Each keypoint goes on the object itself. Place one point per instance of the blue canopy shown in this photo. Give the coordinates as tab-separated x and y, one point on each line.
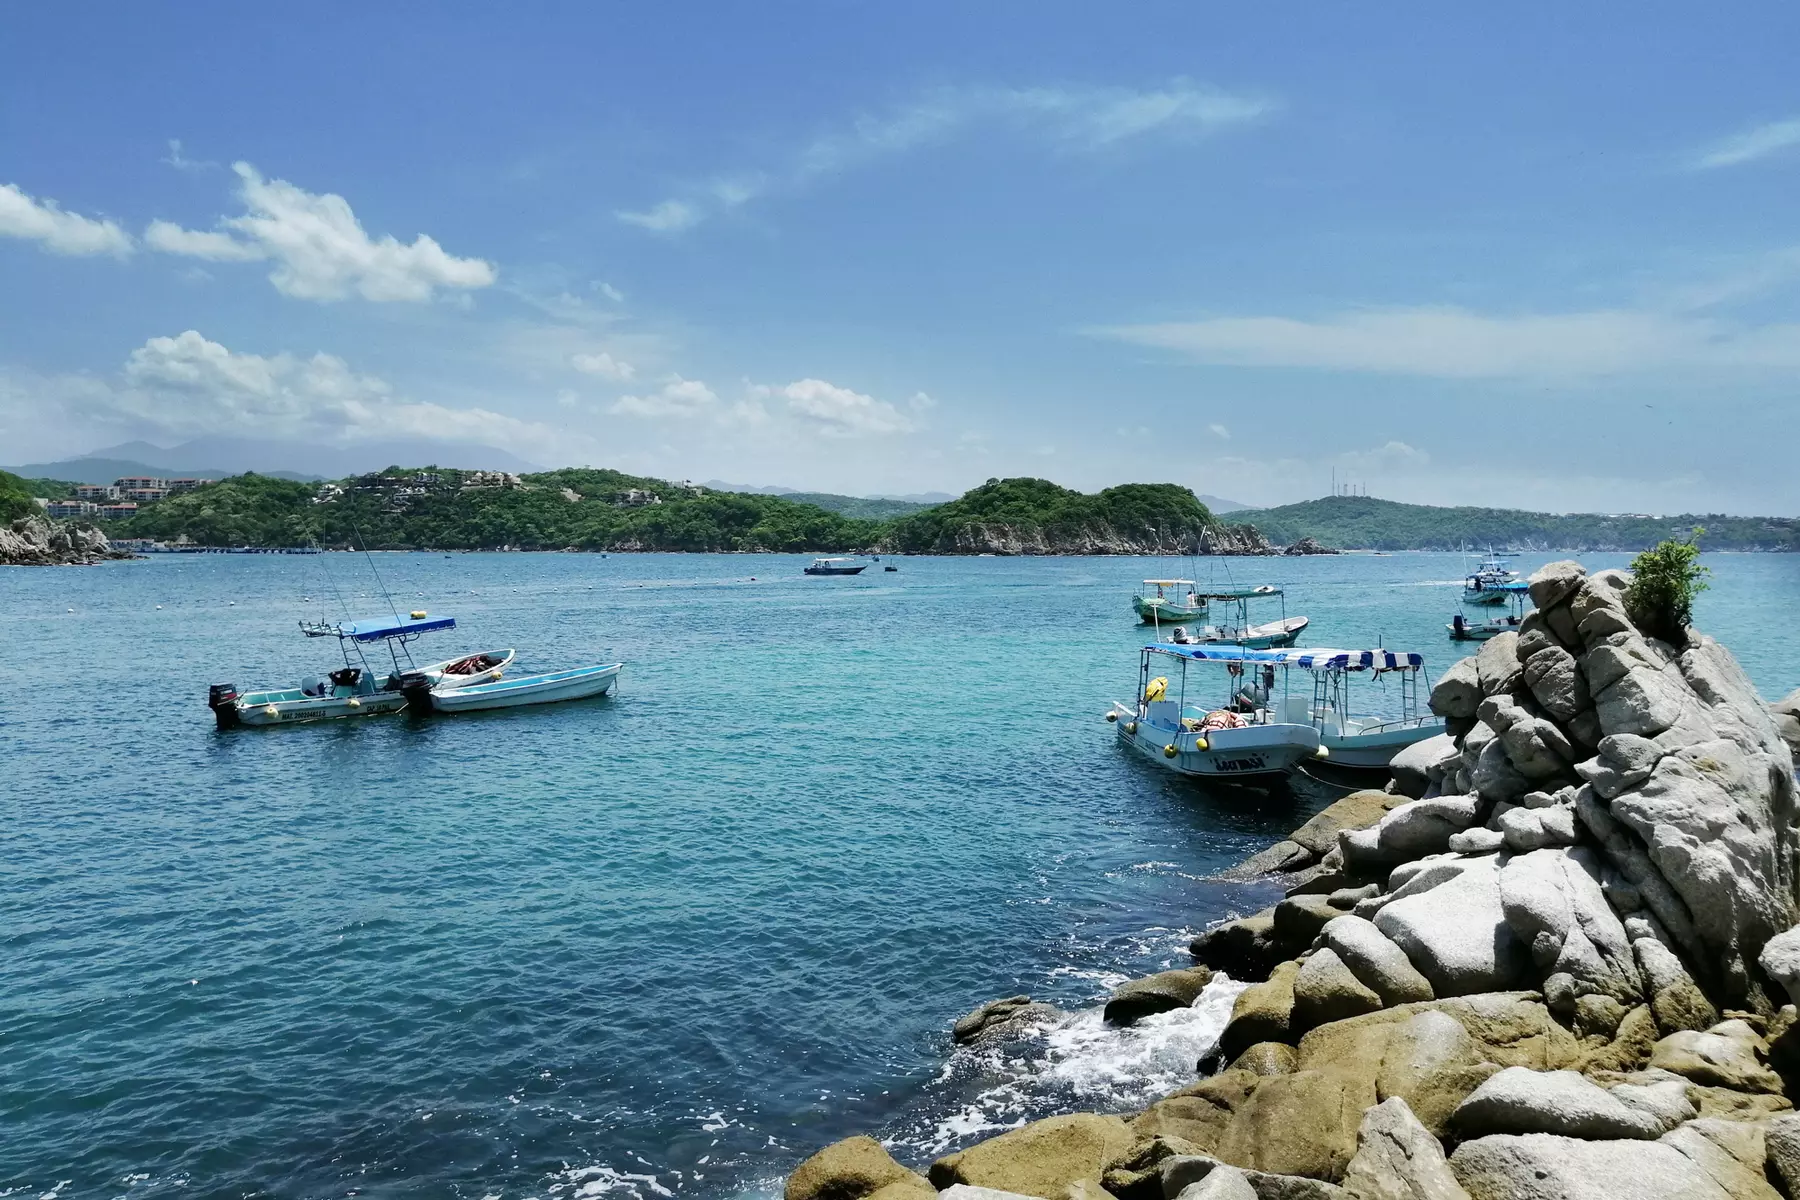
1516	587
1310	660
376	629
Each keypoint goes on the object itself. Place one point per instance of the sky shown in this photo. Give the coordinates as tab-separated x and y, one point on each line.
1539	256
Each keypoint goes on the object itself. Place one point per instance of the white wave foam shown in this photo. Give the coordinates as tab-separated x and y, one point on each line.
594	1181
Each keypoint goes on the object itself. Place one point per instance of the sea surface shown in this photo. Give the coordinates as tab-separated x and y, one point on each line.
663	944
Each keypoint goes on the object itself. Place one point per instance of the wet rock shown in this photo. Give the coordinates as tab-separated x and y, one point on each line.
1039	1159
1518	1100
852	1169
1137	1175
1397	1158
1161	992
1281	858
1376	961
1298	919
1244	949
1358	810
1327	990
999	1018
1263	1012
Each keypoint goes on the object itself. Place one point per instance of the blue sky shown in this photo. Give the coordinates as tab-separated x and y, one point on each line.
1538	256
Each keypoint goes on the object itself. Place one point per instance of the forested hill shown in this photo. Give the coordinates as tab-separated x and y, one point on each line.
468	510
1035	516
1366	523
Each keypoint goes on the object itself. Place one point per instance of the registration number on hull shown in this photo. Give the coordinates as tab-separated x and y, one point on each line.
1250	762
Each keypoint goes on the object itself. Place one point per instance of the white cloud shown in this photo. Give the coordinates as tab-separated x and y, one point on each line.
1751	144
320	249
676	398
1455	343
671	216
609	291
57	231
838	411
1075	117
604	365
171	238
1220	431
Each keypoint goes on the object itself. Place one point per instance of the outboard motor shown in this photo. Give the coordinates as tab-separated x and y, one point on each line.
222	699
416	687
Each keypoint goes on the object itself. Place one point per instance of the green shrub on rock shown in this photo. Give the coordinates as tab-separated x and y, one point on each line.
1664	581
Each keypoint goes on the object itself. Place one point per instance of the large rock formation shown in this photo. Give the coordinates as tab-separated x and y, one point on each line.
41	542
1561	958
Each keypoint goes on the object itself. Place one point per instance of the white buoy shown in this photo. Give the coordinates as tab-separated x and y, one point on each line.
159	608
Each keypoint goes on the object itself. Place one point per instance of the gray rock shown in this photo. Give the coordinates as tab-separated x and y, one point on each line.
1664	1102
1520	1100
1458	691
1477	841
1184	1173
1409	831
1534	745
1556	682
1541	1166
1398	1159
1781	959
1727	1055
1423	874
1220	1183
1456	934
1327	990
1412	767
1281	858
1497	664
968	1191
1375	960
1358	810
1714	1147
1527	829
1494	776
1781	1137
1553	903
1556	582
1675	999
1165	990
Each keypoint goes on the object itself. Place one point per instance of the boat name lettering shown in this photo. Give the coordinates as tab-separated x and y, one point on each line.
1254	763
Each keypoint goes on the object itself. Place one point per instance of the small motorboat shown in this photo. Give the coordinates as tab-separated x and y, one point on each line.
475	668
890	568
1487	583
1240	632
1517	593
580	683
356	689
1168	602
1366	741
1245	738
835	566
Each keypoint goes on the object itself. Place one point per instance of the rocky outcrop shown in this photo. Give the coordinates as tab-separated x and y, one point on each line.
854	1169
1155	993
1560	957
1001	1018
1308	545
1095	537
40	542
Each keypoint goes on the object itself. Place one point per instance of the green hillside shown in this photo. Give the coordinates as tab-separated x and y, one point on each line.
438	509
1366	523
1142	514
15	496
859	507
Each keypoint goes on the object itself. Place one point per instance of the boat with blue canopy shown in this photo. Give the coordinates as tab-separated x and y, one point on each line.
1486	584
357	689
1515	593
1236	629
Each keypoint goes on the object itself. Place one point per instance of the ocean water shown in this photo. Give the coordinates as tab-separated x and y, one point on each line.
662	944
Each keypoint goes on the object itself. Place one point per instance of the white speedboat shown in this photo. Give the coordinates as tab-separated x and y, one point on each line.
1244	738
834	566
1236	629
1369	739
579	683
1487	583
1516	593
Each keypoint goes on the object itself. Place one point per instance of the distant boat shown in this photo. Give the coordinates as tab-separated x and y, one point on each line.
1265	636
1168	602
1464	630
554	687
890	568
1486	583
835	566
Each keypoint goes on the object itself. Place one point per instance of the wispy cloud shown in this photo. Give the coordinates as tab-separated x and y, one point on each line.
1455	343
838	411
1076	118
58	231
1751	144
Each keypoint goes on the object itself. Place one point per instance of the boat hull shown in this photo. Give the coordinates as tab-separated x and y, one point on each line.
1484	596
1271	636
260	708
1152	611
555	687
833	570
1375	749
1255	751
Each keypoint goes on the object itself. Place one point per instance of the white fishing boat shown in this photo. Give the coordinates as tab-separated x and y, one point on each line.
1245	737
580	683
356	689
835	566
1369	739
1517	593
1168	602
1236	629
1486	584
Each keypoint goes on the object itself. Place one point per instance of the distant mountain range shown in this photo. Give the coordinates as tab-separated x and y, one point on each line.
218	457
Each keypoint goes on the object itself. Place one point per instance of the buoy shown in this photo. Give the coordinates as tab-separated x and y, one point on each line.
1131	727
71	610
1169	751
159	608
1112	716
1199	743
1322	752
418	614
353	702
270	710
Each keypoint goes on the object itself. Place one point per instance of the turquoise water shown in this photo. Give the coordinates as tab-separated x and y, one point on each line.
665	943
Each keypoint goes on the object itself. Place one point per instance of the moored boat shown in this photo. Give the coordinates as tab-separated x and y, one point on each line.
579	683
1168	602
1487	583
1247	737
835	566
1517	593
1369	740
1284	631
